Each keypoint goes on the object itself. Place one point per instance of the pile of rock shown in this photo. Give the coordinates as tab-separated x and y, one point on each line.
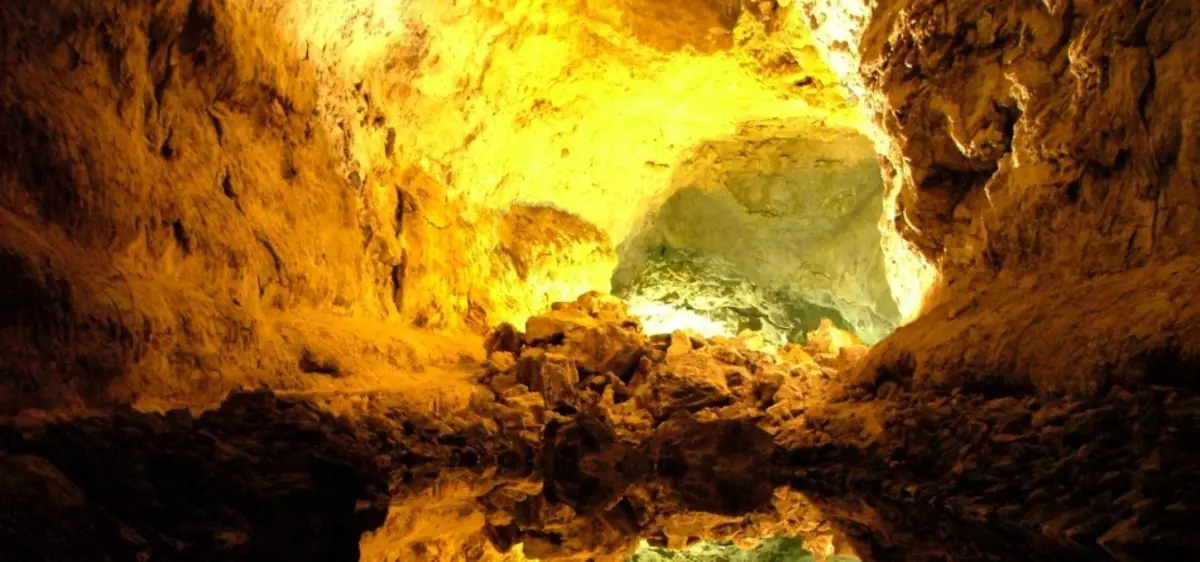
590	354
651	434
586	435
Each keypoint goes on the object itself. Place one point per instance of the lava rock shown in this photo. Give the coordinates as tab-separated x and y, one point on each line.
688	382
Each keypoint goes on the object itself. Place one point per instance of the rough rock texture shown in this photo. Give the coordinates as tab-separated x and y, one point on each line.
1051	139
770	550
793	207
908	471
685	289
1037	157
196	194
1131	328
703	439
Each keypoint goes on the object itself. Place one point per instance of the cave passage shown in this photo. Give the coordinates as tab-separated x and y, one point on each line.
772	231
579	281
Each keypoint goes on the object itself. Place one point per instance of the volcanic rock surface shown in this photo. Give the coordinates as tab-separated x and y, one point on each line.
328	203
577	452
196	194
793	208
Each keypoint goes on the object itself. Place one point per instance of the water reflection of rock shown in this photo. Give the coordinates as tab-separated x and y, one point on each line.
583	437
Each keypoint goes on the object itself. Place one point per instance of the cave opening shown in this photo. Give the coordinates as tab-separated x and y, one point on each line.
771	230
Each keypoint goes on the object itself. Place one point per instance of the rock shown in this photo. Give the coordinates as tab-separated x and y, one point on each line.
319	362
501	362
829	339
45	516
791	391
705	456
594	346
503	381
849	356
767	383
725	354
608	309
504	338
687	382
521	414
679	343
551	375
780	411
752	340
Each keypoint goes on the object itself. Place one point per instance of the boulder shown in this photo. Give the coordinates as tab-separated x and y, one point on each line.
828	338
505	338
595	346
552	375
688	382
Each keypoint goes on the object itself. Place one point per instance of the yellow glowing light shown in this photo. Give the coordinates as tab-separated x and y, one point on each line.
661	318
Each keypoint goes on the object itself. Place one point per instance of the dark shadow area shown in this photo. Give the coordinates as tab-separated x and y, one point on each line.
258	479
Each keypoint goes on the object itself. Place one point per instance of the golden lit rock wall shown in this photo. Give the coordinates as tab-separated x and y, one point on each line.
587	107
175	222
204	195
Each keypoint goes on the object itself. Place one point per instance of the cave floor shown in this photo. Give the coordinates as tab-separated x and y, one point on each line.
581	437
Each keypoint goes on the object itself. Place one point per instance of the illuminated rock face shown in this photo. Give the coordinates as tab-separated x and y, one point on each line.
1037	140
793	209
688	290
198	195
772	550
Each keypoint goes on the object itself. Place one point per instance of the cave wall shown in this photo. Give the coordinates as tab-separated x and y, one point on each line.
165	183
1039	158
793	206
184	214
589	106
200	196
1026	159
292	201
1038	138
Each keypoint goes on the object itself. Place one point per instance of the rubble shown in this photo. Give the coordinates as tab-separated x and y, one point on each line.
699	438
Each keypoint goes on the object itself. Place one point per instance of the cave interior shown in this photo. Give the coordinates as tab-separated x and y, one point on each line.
599	280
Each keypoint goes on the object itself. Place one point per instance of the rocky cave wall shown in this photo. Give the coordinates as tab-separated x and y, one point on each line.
1032	152
1037	138
1038	158
302	184
791	207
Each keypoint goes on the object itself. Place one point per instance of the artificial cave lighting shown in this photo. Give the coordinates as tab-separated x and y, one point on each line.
663	318
683	289
606	280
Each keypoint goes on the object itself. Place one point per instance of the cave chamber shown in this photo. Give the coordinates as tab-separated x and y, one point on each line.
627	280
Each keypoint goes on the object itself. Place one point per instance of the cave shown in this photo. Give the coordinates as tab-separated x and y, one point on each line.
771	230
626	280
